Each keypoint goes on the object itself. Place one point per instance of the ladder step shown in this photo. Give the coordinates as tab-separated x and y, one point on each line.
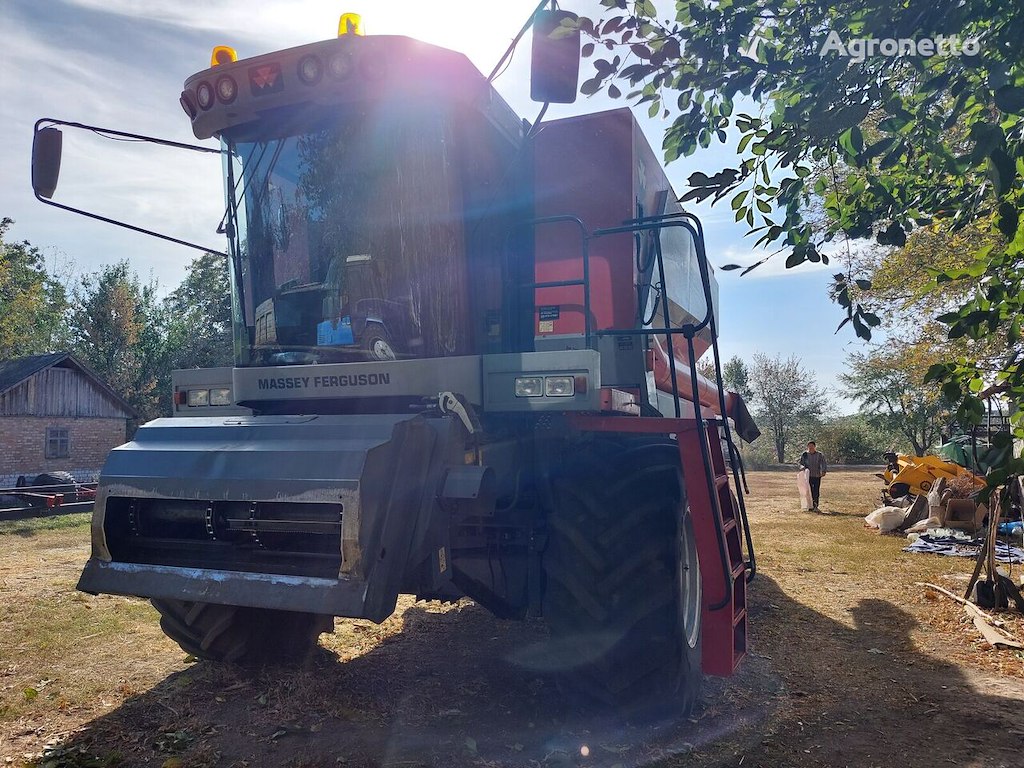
738	570
729	525
740	614
721	481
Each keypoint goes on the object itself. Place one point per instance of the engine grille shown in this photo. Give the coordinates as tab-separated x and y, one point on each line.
296	539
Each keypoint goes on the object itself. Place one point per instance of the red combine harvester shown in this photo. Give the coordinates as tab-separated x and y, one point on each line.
469	348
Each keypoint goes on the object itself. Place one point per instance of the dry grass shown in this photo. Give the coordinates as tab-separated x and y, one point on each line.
832	561
845	652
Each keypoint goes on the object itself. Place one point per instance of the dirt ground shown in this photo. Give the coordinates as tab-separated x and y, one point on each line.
850	664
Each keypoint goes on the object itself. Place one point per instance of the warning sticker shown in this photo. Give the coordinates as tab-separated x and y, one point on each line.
552	312
546	326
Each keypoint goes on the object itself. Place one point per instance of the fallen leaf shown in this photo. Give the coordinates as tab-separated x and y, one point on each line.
875	650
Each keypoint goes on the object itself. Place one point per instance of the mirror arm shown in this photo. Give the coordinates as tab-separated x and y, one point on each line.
132	227
48	122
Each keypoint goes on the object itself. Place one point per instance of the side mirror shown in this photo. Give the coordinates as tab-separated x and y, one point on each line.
46	148
555	64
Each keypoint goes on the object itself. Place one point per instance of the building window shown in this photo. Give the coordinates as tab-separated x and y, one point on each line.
58	443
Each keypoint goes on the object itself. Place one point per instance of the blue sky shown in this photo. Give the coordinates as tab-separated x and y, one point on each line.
121	64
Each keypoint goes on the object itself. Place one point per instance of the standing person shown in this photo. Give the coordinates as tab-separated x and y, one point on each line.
814	462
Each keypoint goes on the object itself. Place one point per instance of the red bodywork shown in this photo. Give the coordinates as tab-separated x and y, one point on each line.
713	508
601	168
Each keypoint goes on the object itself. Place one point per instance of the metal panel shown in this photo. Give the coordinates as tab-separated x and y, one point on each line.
395	379
584	167
246	458
382	472
500	372
256	590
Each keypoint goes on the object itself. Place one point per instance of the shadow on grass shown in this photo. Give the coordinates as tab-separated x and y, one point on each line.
449	691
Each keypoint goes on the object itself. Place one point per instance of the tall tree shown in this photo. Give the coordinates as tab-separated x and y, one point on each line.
118	331
198	316
946	146
856	439
889	384
32	303
736	377
785	397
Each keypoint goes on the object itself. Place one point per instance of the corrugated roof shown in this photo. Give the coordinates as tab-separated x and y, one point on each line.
13	372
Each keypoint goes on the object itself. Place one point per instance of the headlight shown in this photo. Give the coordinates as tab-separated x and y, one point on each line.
198	397
310	69
227	89
204	95
529	386
559	386
220	397
340	65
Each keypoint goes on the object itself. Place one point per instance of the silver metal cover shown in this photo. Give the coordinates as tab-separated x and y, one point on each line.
401	378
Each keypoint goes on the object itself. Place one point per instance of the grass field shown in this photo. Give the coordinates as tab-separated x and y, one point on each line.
851	664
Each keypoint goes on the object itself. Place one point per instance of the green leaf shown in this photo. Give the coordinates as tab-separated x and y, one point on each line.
1010	99
893	235
1008	219
852	142
879	147
1013	333
936	372
1004	171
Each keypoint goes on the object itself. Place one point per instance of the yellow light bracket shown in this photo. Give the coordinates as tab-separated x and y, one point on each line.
223	54
350	24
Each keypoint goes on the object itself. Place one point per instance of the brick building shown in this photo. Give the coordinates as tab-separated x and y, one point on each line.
56	415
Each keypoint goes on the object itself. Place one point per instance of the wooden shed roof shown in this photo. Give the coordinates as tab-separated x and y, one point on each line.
14	372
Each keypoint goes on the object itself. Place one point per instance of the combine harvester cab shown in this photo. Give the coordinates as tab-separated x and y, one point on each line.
466	366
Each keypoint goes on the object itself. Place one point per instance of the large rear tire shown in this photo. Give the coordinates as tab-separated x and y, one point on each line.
241	635
622	596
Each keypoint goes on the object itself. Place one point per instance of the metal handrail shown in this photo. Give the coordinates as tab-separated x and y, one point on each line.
689	330
657	223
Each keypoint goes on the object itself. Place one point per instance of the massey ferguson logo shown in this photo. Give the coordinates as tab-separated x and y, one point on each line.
265	79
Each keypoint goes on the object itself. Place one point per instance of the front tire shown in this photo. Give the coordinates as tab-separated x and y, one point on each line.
242	635
623	597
